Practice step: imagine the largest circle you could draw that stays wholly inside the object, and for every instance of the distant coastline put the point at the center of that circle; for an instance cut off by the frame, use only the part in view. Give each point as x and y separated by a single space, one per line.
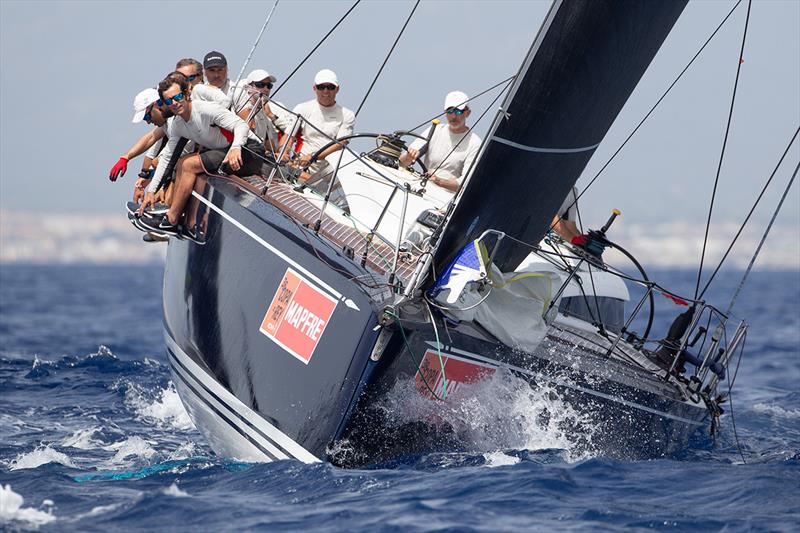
34 238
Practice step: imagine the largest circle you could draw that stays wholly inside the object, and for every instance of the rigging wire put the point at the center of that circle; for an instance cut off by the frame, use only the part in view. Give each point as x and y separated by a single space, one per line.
747 218
386 59
724 145
253 49
730 399
761 242
639 125
292 73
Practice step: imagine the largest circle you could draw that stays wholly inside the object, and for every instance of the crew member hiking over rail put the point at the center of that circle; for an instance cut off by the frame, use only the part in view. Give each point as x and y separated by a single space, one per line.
218 130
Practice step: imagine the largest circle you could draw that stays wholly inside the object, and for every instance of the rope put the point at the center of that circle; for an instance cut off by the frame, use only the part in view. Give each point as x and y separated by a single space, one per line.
414 359
724 145
253 49
761 243
747 218
628 138
292 73
386 59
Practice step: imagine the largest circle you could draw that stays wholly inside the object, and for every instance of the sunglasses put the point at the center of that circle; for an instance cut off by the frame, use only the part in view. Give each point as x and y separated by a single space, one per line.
262 84
168 101
194 76
455 111
326 87
148 117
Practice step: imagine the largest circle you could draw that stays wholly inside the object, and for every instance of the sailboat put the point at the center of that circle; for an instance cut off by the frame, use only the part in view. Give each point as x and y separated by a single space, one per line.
299 317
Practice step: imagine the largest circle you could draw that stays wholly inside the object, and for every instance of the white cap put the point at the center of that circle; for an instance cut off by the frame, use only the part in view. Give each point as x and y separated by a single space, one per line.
326 76
142 101
455 99
260 74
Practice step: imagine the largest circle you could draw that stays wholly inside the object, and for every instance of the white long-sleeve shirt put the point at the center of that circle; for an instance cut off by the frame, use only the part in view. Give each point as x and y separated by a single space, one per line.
201 129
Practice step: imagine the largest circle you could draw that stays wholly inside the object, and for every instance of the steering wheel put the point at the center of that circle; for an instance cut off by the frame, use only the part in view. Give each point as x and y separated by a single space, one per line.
376 136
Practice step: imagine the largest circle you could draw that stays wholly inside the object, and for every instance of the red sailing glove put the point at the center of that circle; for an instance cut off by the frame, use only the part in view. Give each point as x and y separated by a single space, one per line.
118 169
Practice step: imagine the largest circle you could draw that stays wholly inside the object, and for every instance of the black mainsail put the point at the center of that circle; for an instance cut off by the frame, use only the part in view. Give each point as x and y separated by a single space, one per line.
583 65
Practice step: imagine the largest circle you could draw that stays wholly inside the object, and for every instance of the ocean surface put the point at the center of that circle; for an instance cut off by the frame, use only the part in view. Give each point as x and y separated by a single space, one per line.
93 436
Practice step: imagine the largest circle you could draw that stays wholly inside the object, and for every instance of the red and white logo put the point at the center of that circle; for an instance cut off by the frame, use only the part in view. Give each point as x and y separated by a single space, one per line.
297 316
453 370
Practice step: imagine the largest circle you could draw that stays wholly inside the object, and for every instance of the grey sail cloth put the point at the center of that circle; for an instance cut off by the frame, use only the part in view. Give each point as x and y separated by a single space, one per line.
585 62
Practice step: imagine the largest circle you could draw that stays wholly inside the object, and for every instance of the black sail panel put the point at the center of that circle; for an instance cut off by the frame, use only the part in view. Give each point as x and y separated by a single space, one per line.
580 71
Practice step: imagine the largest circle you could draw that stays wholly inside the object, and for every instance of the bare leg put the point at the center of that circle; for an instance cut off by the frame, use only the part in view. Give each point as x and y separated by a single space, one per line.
188 169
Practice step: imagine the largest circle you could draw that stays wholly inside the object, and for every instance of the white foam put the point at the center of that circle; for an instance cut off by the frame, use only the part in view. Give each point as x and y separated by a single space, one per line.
165 410
38 457
11 509
96 511
502 412
777 411
82 439
495 459
134 447
174 490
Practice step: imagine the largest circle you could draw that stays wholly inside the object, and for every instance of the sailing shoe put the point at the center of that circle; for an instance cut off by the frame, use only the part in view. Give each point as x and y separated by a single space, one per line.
195 236
164 226
153 237
157 209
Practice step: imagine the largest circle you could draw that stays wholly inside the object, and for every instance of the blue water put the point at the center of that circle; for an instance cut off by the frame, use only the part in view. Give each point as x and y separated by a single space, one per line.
93 437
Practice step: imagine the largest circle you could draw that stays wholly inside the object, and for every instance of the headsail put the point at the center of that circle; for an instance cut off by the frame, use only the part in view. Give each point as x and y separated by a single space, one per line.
583 65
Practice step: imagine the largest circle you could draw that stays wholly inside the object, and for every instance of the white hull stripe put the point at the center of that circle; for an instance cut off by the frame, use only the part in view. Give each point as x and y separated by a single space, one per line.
567 384
297 266
544 150
251 422
247 431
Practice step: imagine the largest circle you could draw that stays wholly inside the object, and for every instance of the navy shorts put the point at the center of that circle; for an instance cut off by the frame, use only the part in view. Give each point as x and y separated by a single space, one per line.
252 159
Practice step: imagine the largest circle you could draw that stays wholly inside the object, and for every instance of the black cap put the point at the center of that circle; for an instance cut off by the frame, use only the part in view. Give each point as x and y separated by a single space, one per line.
214 59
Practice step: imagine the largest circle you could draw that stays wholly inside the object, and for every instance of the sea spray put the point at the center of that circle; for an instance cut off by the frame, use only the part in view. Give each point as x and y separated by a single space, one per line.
500 412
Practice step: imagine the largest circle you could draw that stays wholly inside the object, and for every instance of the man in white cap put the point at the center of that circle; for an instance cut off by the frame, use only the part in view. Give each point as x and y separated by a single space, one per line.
330 121
144 109
452 148
268 122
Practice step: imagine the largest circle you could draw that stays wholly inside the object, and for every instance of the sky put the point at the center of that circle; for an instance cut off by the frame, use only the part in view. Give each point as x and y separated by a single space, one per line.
70 71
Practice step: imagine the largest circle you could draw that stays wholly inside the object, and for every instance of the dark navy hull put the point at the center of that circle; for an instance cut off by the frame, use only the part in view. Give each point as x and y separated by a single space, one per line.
216 296
257 396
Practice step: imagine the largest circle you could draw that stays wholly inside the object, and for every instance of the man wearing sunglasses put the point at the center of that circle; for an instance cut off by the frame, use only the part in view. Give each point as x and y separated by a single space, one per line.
332 119
268 122
145 109
452 148
218 130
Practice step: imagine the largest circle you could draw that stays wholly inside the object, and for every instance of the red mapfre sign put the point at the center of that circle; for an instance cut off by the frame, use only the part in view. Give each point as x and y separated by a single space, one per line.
457 371
297 316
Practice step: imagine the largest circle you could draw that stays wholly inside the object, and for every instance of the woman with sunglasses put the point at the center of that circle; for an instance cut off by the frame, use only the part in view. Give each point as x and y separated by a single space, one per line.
452 148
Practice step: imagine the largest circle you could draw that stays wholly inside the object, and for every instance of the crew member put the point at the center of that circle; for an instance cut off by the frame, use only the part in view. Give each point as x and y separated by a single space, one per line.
216 67
452 148
268 120
328 120
208 124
